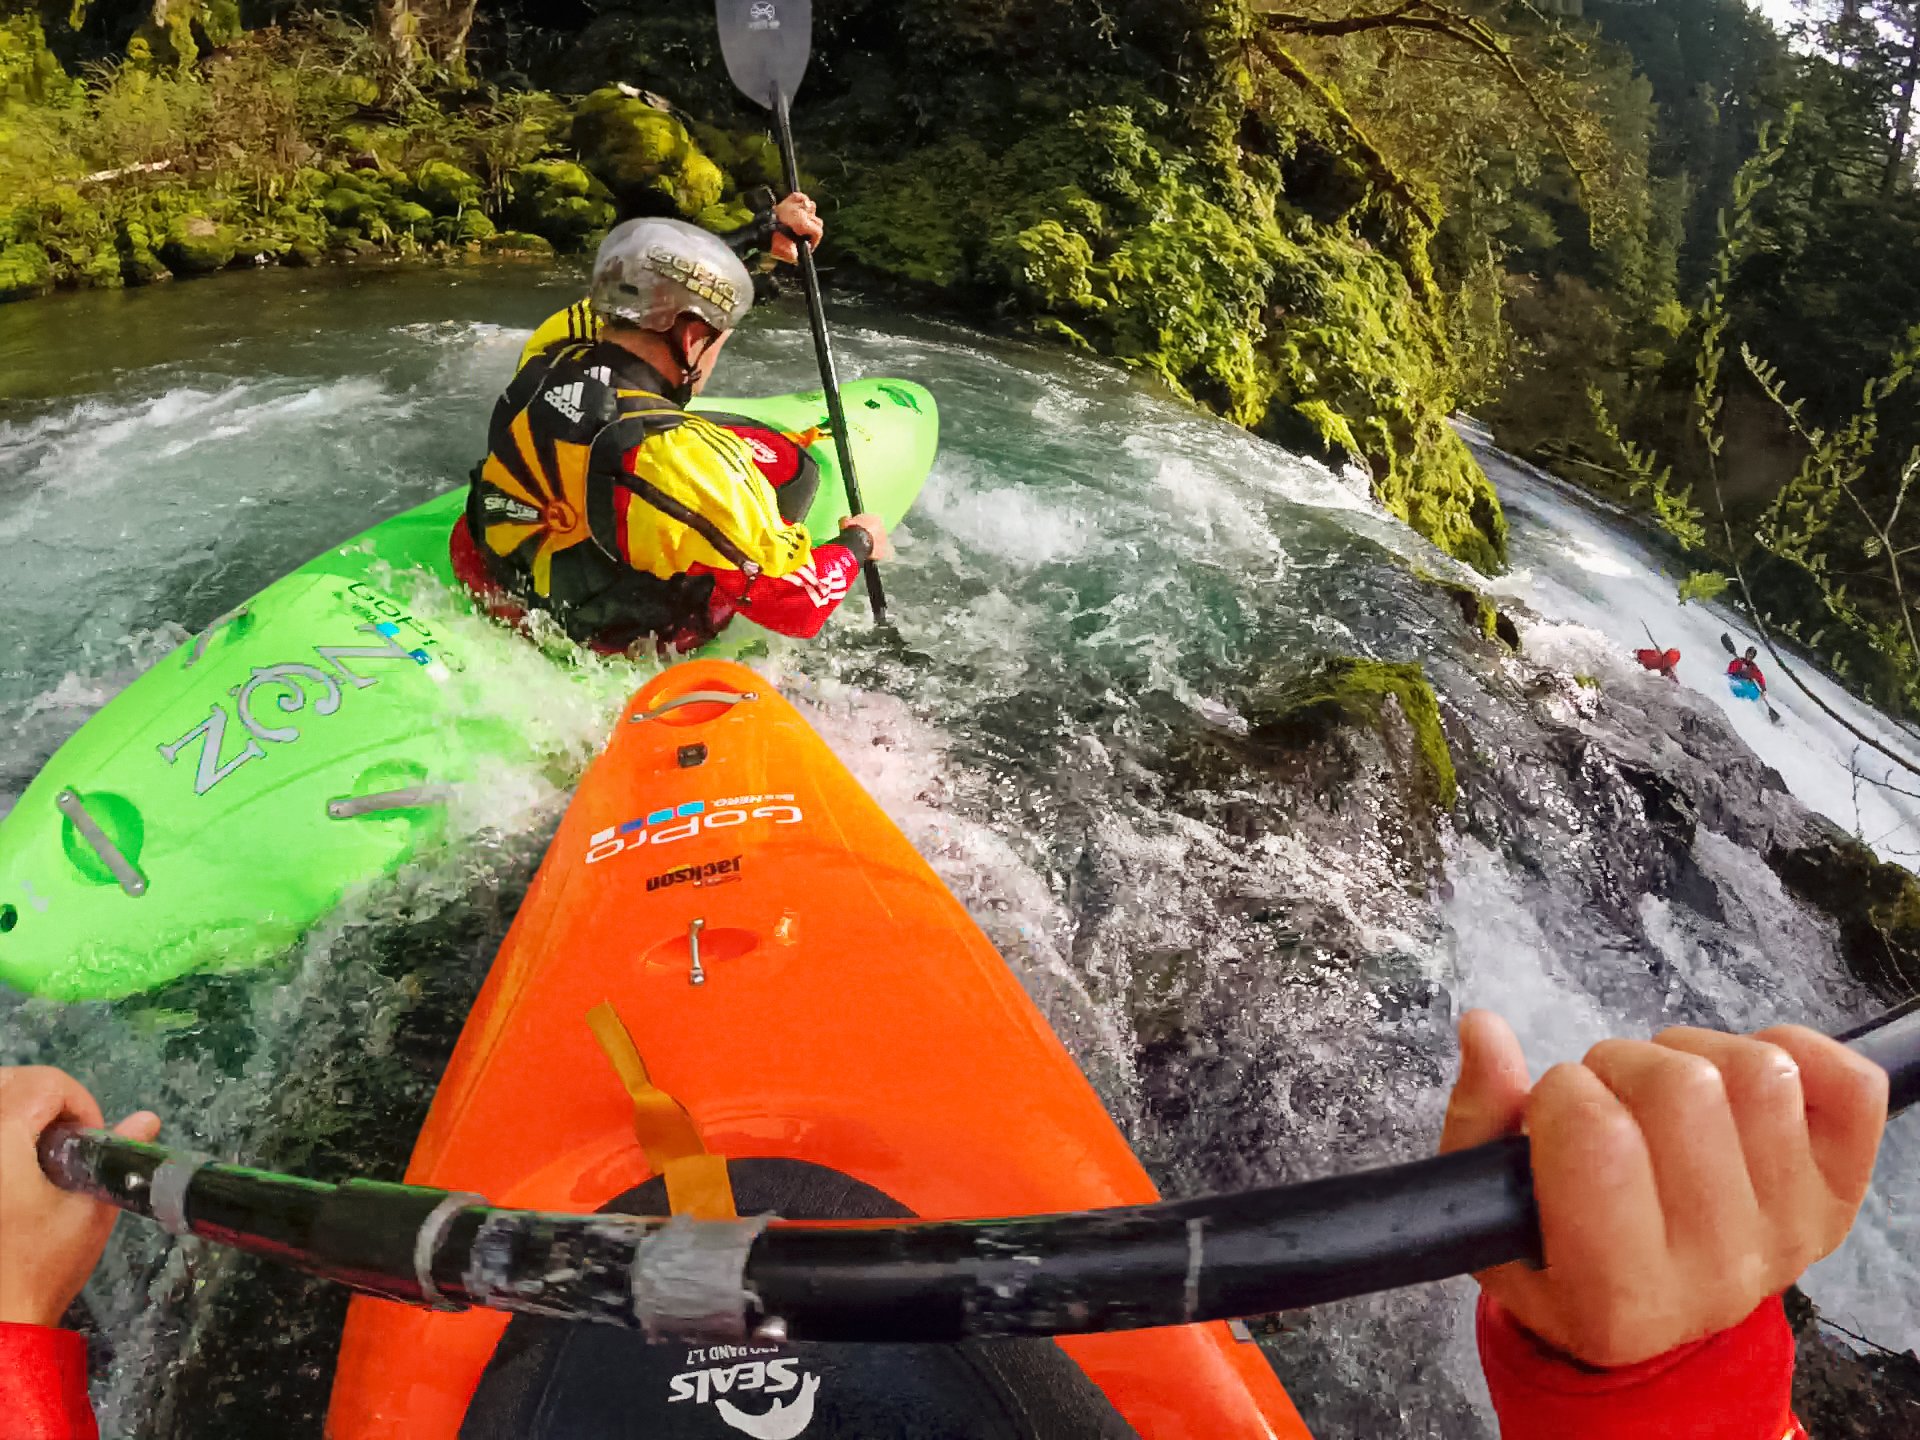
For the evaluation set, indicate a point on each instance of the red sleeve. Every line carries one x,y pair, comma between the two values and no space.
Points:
796,604
1737,1385
43,1385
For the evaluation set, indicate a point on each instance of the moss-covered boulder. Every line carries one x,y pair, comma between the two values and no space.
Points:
1483,616
469,227
559,201
750,157
1347,691
645,157
405,217
1875,904
25,272
518,242
140,264
445,189
197,245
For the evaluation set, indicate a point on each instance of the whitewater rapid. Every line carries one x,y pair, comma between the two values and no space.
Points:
1097,585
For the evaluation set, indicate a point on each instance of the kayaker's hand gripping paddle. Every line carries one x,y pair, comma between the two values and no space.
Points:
678,1278
767,44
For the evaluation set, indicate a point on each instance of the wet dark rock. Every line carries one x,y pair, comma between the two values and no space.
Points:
1840,1393
1483,617
1876,905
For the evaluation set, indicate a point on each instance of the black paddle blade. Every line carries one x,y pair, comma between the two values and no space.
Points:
766,44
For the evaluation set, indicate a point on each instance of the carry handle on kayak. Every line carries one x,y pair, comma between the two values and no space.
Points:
924,1281
693,697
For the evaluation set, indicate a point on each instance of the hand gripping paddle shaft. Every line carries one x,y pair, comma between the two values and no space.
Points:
766,44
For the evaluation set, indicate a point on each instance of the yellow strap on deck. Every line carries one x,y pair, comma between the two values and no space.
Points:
697,1182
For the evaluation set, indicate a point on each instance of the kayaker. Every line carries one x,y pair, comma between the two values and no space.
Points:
608,506
1683,1184
1743,667
1662,662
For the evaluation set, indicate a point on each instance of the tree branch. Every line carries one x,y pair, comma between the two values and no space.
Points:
1449,24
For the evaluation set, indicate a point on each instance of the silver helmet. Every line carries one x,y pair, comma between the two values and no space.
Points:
650,272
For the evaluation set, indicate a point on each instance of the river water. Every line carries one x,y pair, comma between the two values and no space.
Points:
1092,596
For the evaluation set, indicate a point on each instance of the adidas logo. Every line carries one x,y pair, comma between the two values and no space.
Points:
567,400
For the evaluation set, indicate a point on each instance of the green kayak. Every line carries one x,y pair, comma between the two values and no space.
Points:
343,720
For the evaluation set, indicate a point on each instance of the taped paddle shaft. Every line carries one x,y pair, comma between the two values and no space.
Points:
934,1281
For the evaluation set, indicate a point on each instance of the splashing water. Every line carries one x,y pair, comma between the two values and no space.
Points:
1095,592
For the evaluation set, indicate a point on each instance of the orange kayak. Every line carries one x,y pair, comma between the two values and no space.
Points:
730,951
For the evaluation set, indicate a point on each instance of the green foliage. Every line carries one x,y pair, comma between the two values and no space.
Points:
1672,508
148,170
1103,231
1856,572
1703,585
25,271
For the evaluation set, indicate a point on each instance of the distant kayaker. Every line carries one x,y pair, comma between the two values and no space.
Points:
1664,662
1683,1184
1743,667
608,506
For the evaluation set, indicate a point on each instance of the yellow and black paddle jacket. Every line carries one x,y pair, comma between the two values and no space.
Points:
604,503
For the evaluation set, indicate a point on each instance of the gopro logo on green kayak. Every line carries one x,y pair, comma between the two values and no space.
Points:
785,1419
682,822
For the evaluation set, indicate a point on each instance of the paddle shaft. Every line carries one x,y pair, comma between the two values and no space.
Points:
823,352
925,1281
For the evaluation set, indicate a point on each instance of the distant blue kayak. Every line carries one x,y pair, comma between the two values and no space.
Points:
1743,688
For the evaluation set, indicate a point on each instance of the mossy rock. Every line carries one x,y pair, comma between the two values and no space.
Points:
750,157
645,157
139,264
559,201
445,188
25,272
404,217
1349,691
1877,907
197,245
361,200
517,242
1483,616
469,227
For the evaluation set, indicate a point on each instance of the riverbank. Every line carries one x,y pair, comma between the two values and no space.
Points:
1113,227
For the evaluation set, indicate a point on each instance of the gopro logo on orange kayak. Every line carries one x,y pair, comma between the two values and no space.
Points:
682,822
